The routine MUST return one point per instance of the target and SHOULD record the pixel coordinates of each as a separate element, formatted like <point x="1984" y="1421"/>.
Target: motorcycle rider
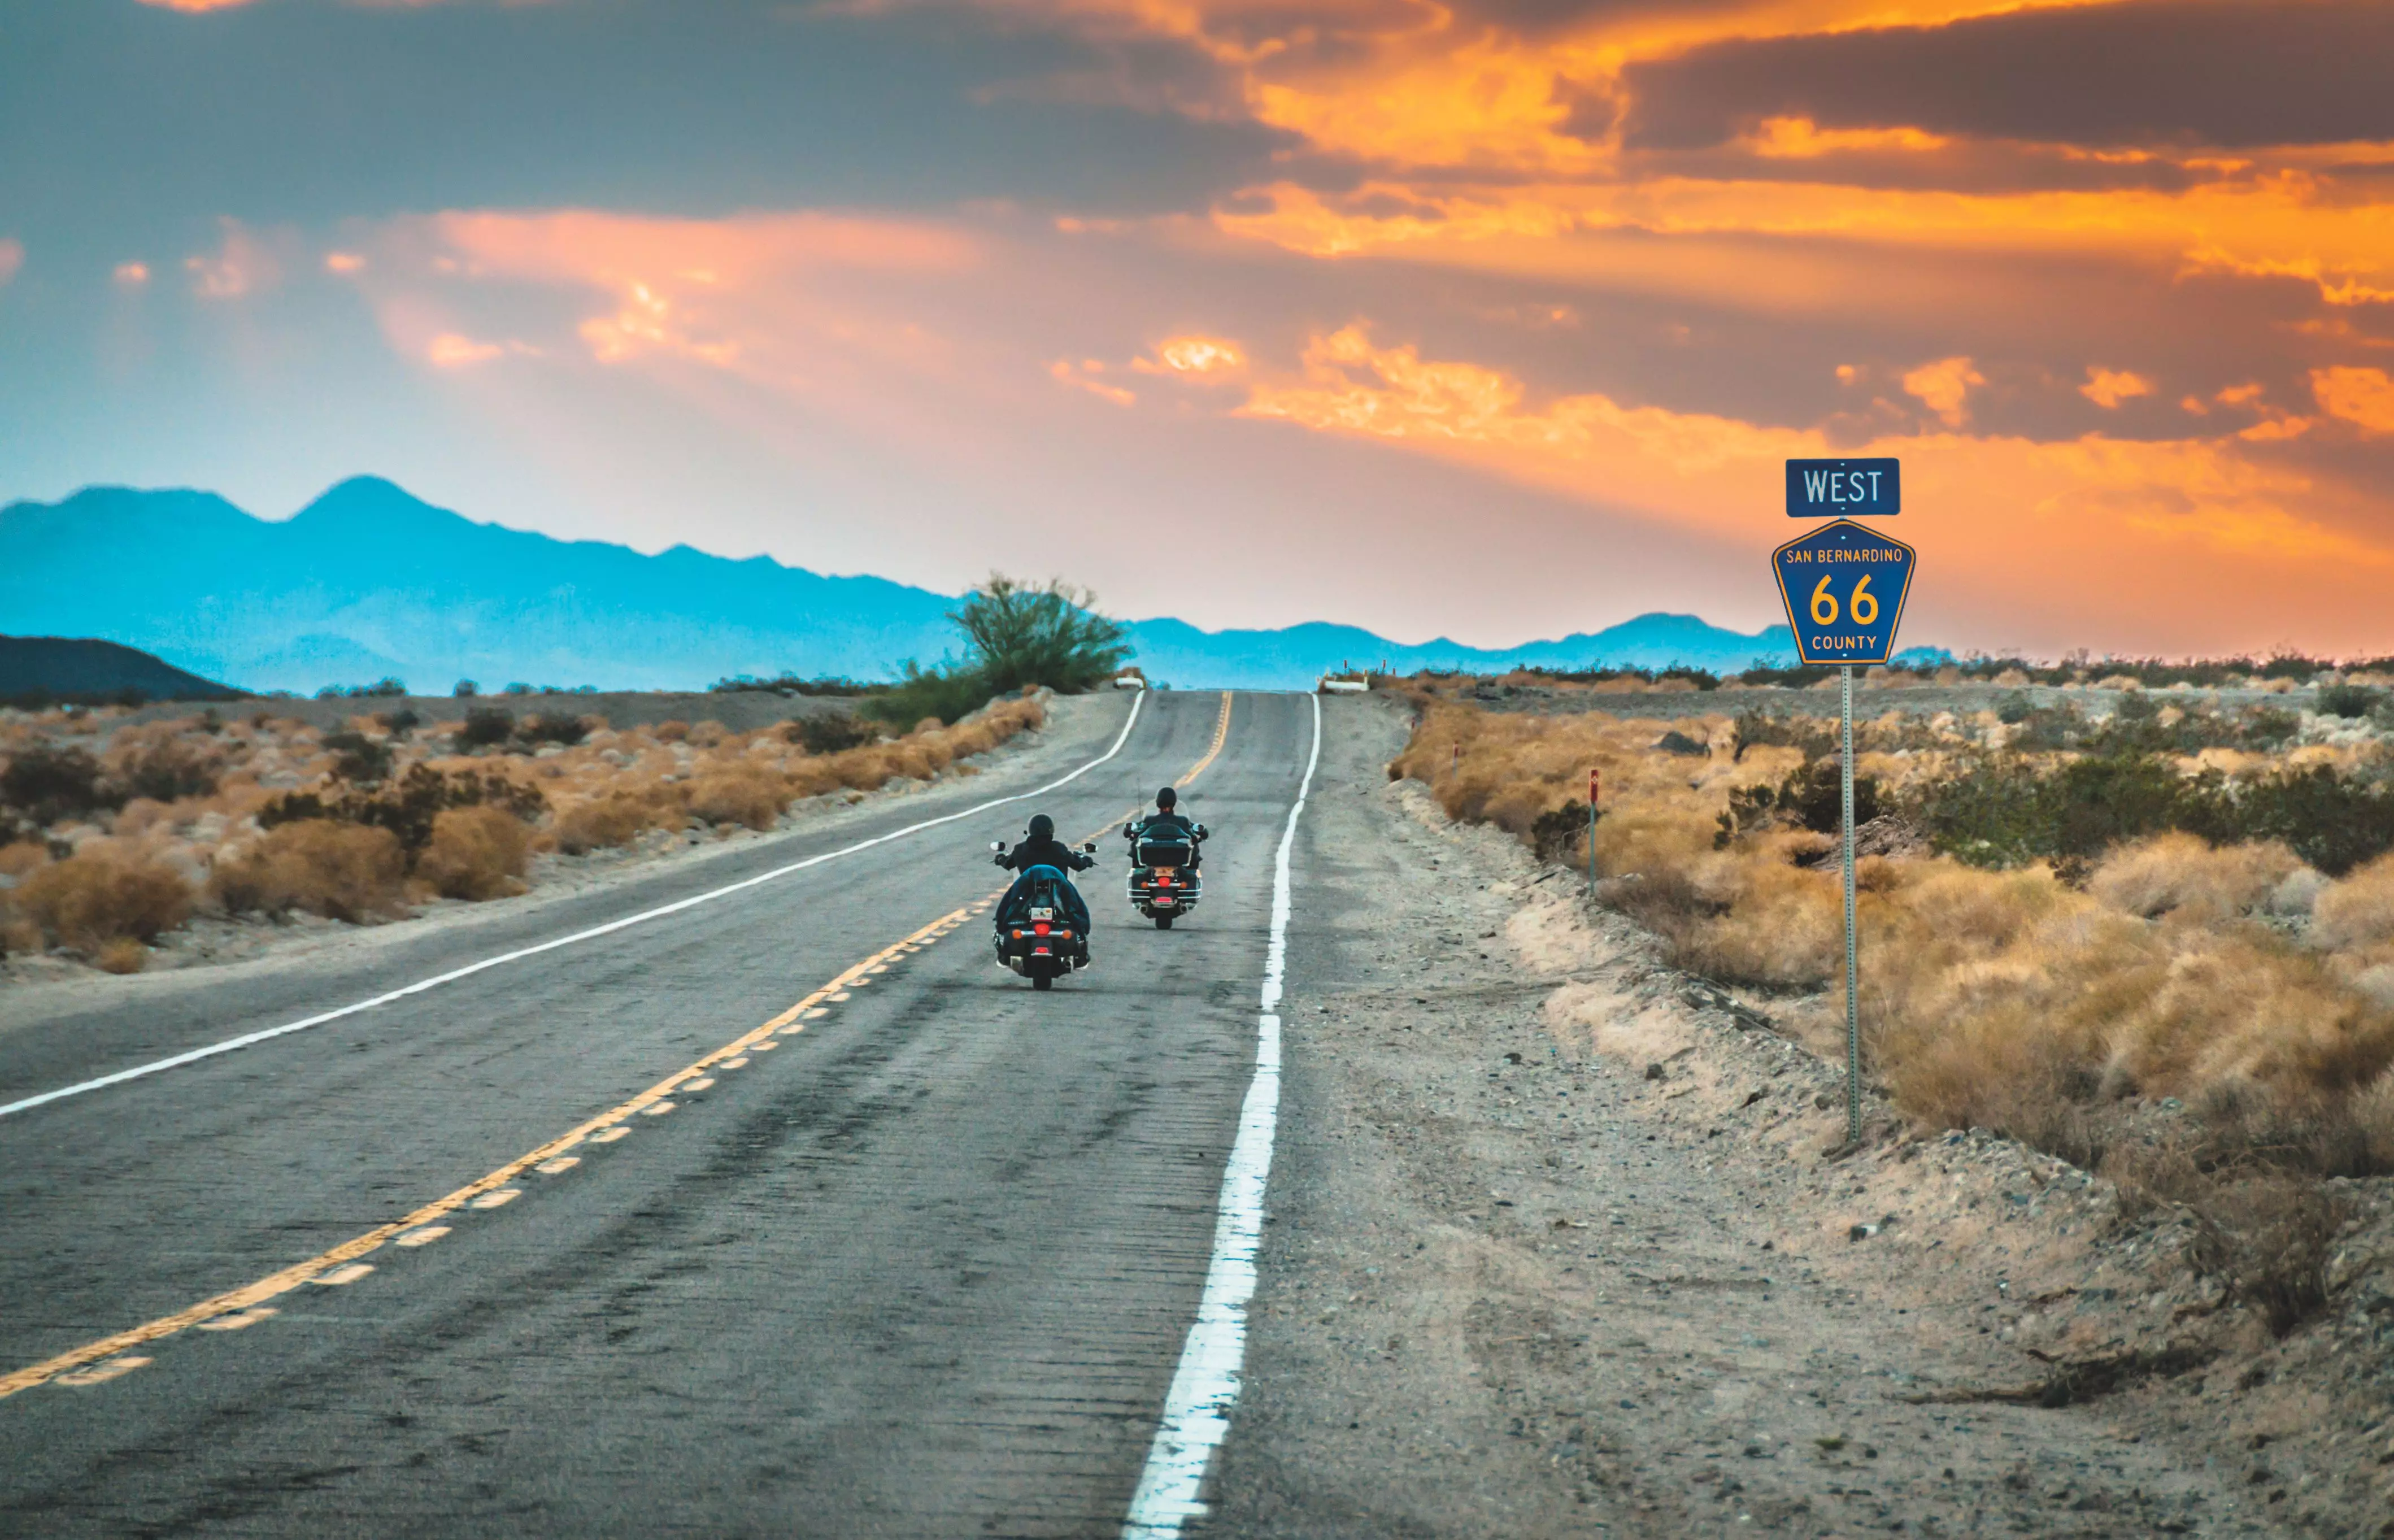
<point x="1166" y="823"/>
<point x="1041" y="847"/>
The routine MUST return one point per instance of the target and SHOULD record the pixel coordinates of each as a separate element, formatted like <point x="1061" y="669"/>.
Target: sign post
<point x="1845" y="586"/>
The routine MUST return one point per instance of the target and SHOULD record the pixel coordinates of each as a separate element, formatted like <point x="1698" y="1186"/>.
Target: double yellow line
<point x="657" y="1099"/>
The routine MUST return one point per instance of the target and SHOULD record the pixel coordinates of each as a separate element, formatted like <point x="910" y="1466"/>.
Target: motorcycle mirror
<point x="1089" y="849"/>
<point x="997" y="844"/>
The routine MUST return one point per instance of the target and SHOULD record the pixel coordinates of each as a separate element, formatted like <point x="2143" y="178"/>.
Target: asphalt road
<point x="922" y="1267"/>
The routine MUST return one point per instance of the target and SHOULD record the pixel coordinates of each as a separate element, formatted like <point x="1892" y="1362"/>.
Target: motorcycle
<point x="1163" y="880"/>
<point x="1036" y="934"/>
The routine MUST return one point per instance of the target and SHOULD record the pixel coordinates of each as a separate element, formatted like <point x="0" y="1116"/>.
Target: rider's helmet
<point x="1166" y="798"/>
<point x="1042" y="827"/>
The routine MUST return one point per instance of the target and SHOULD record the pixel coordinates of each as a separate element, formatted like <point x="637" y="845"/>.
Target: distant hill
<point x="368" y="581"/>
<point x="77" y="667"/>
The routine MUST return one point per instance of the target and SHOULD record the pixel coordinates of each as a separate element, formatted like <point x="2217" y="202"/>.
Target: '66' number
<point x="1862" y="602"/>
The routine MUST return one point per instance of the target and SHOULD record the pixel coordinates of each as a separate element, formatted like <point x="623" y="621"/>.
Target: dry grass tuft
<point x="123" y="955"/>
<point x="476" y="853"/>
<point x="103" y="895"/>
<point x="741" y="794"/>
<point x="23" y="856"/>
<point x="2357" y="914"/>
<point x="615" y="820"/>
<point x="2187" y="876"/>
<point x="342" y="871"/>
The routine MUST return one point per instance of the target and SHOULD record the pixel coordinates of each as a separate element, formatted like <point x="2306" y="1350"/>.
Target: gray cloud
<point x="2226" y="72"/>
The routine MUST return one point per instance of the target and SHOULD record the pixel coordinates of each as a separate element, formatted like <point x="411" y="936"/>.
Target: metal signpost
<point x="1845" y="587"/>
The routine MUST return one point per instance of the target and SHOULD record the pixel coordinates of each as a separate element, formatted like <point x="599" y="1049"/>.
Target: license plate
<point x="1043" y="914"/>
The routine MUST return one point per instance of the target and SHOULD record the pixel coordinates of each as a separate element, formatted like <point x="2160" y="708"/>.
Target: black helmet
<point x="1166" y="797"/>
<point x="1042" y="827"/>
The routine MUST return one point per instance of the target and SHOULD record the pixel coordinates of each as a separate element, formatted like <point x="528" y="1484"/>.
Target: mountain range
<point x="368" y="581"/>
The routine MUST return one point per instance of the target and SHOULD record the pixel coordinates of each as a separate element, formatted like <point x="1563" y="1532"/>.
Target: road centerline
<point x="245" y="1040"/>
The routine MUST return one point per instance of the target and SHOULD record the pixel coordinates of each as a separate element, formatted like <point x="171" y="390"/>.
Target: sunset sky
<point x="1492" y="319"/>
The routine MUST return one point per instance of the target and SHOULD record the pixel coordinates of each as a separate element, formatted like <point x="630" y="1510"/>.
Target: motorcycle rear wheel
<point x="1163" y="922"/>
<point x="1040" y="981"/>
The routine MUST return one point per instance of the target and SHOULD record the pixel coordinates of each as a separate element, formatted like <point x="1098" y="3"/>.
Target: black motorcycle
<point x="1164" y="881"/>
<point x="1042" y="924"/>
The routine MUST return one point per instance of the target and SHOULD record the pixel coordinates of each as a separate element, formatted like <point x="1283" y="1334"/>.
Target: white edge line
<point x="1206" y="1385"/>
<point x="249" y="1039"/>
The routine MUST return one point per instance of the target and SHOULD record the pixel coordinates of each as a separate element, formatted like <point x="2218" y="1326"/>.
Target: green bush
<point x="2000" y="811"/>
<point x="409" y="808"/>
<point x="1052" y="636"/>
<point x="949" y="692"/>
<point x="358" y="758"/>
<point x="832" y="732"/>
<point x="2349" y="701"/>
<point x="486" y="727"/>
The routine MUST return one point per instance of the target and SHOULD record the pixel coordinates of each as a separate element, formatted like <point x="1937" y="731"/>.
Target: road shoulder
<point x="1514" y="1282"/>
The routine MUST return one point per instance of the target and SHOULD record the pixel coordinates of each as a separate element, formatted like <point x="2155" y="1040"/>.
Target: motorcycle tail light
<point x="1040" y="929"/>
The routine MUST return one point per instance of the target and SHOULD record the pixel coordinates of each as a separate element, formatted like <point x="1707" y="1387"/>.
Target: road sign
<point x="1845" y="587"/>
<point x="1844" y="489"/>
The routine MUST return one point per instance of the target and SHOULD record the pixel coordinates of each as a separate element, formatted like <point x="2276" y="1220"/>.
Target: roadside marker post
<point x="1595" y="781"/>
<point x="1852" y="582"/>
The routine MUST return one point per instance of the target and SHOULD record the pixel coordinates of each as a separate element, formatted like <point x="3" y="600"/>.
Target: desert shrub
<point x="743" y="795"/>
<point x="381" y="689"/>
<point x="949" y="693"/>
<point x="49" y="784"/>
<point x="162" y="767"/>
<point x="1022" y="636"/>
<point x="551" y="728"/>
<point x="341" y="870"/>
<point x="2355" y="913"/>
<point x="122" y="955"/>
<point x="1759" y="730"/>
<point x="23" y="856"/>
<point x="830" y="732"/>
<point x="2349" y="701"/>
<point x="1555" y="834"/>
<point x="358" y="758"/>
<point x="399" y="723"/>
<point x="95" y="896"/>
<point x="409" y="808"/>
<point x="613" y="819"/>
<point x="486" y="727"/>
<point x="2333" y="822"/>
<point x="1811" y="797"/>
<point x="476" y="852"/>
<point x="671" y="733"/>
<point x="2268" y="1238"/>
<point x="2187" y="875"/>
<point x="786" y="684"/>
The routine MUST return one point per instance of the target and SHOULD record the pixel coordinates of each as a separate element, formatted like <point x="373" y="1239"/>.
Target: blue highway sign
<point x="1845" y="587"/>
<point x="1844" y="489"/>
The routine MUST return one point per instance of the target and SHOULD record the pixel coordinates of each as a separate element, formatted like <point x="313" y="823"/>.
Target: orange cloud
<point x="195" y="7"/>
<point x="344" y="262"/>
<point x="131" y="276"/>
<point x="1067" y="372"/>
<point x="243" y="265"/>
<point x="1991" y="513"/>
<point x="1944" y="388"/>
<point x="2108" y="388"/>
<point x="13" y="256"/>
<point x="455" y="350"/>
<point x="1198" y="358"/>
<point x="2363" y="396"/>
<point x="1800" y="139"/>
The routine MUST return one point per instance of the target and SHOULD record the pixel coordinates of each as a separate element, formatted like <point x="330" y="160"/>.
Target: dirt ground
<point x="1563" y="1244"/>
